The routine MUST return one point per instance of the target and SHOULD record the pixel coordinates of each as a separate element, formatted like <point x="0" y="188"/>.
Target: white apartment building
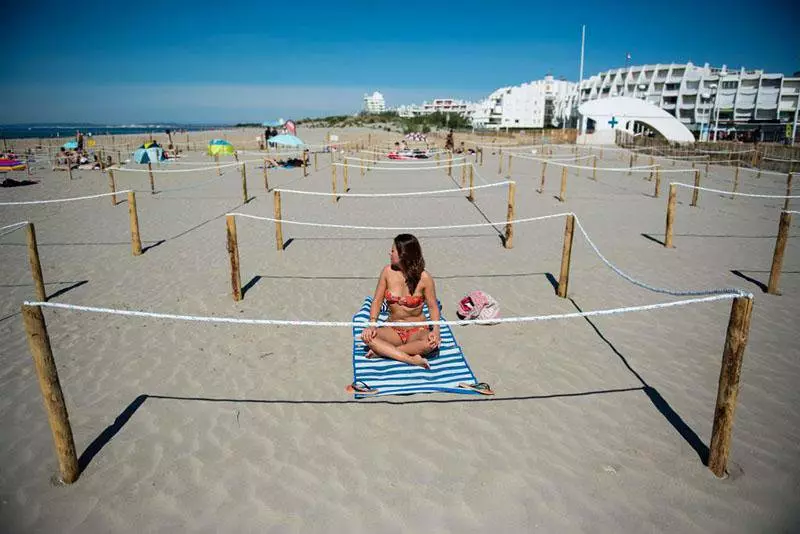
<point x="530" y="105"/>
<point x="700" y="97"/>
<point x="438" y="105"/>
<point x="374" y="103"/>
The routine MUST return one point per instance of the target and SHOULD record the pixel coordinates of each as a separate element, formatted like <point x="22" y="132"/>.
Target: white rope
<point x="618" y="169"/>
<point x="787" y="211"/>
<point x="662" y="170"/>
<point x="350" y="324"/>
<point x="783" y="160"/>
<point x="13" y="227"/>
<point x="162" y="171"/>
<point x="62" y="199"/>
<point x="408" y="162"/>
<point x="634" y="281"/>
<point x="433" y="167"/>
<point x="727" y="151"/>
<point x="397" y="228"/>
<point x="763" y="171"/>
<point x="731" y="192"/>
<point x="405" y="194"/>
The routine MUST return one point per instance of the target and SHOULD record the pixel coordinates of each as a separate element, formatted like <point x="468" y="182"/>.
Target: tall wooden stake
<point x="216" y="159"/>
<point x="509" y="164"/>
<point x="152" y="180"/>
<point x="50" y="386"/>
<point x="566" y="255"/>
<point x="673" y="198"/>
<point x="696" y="190"/>
<point x="136" y="242"/>
<point x="562" y="196"/>
<point x="266" y="178"/>
<point x="541" y="184"/>
<point x="244" y="184"/>
<point x="316" y="167"/>
<point x="233" y="255"/>
<point x="333" y="183"/>
<point x="500" y="162"/>
<point x="36" y="265"/>
<point x="657" y="191"/>
<point x="788" y="191"/>
<point x="471" y="196"/>
<point x="630" y="165"/>
<point x="277" y="213"/>
<point x="777" y="256"/>
<point x="113" y="186"/>
<point x="464" y="174"/>
<point x="735" y="181"/>
<point x="509" y="238"/>
<point x="450" y="165"/>
<point x="730" y="372"/>
<point x="594" y="168"/>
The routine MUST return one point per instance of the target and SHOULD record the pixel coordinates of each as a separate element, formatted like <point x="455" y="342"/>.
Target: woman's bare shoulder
<point x="425" y="277"/>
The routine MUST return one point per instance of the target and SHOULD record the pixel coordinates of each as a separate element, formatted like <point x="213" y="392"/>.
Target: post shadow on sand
<point x="655" y="397"/>
<point x="58" y="293"/>
<point x="740" y="274"/>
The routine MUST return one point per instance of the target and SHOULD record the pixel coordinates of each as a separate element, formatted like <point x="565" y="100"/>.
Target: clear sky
<point x="120" y="62"/>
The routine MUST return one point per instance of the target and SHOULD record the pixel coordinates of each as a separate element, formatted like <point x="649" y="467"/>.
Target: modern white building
<point x="699" y="97"/>
<point x="374" y="103"/>
<point x="530" y="105"/>
<point x="438" y="105"/>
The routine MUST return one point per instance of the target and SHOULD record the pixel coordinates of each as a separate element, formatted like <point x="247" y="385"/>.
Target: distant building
<point x="530" y="105"/>
<point x="374" y="103"/>
<point x="438" y="105"/>
<point x="699" y="97"/>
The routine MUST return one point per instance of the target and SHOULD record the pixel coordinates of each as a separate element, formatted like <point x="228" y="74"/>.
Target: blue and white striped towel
<point x="390" y="377"/>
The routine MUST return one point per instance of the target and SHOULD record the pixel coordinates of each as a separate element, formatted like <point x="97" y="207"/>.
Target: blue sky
<point x="115" y="62"/>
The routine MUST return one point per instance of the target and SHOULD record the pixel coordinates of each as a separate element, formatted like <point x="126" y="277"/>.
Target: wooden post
<point x="113" y="186"/>
<point x="541" y="184"/>
<point x="788" y="191"/>
<point x="316" y="167"/>
<point x="216" y="159"/>
<point x="509" y="164"/>
<point x="437" y="159"/>
<point x="706" y="169"/>
<point x="777" y="256"/>
<point x="69" y="169"/>
<point x="333" y="182"/>
<point x="266" y="178"/>
<point x="136" y="242"/>
<point x="233" y="255"/>
<point x="695" y="191"/>
<point x="735" y="181"/>
<point x="50" y="386"/>
<point x="500" y="162"/>
<point x="509" y="238"/>
<point x="464" y="173"/>
<point x="630" y="165"/>
<point x="566" y="255"/>
<point x="344" y="168"/>
<point x="277" y="213"/>
<point x="152" y="180"/>
<point x="562" y="196"/>
<point x="481" y="149"/>
<point x="652" y="163"/>
<point x="471" y="196"/>
<point x="362" y="167"/>
<point x="36" y="265"/>
<point x="305" y="164"/>
<point x="730" y="372"/>
<point x="673" y="198"/>
<point x="657" y="191"/>
<point x="450" y="165"/>
<point x="594" y="168"/>
<point x="119" y="157"/>
<point x="244" y="184"/>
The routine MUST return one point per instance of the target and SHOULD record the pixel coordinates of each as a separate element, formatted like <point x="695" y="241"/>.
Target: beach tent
<point x="219" y="146"/>
<point x="287" y="140"/>
<point x="149" y="152"/>
<point x="70" y="145"/>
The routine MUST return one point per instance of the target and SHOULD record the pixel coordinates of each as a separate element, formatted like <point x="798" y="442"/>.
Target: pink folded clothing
<point x="478" y="305"/>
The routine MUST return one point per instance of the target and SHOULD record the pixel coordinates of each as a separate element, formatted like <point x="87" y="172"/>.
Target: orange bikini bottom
<point x="406" y="332"/>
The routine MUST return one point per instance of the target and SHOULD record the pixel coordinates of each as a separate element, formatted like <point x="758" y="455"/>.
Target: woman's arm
<point x="430" y="299"/>
<point x="377" y="298"/>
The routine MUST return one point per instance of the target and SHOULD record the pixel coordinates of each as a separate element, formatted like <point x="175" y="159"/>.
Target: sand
<point x="597" y="425"/>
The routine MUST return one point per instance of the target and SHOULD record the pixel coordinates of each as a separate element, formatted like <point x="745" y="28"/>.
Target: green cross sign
<point x="613" y="122"/>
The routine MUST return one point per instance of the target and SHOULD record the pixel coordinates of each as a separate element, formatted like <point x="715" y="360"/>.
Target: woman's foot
<point x="371" y="354"/>
<point x="416" y="359"/>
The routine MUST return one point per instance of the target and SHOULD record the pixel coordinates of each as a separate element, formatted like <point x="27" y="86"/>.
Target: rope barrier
<point x="408" y="162"/>
<point x="162" y="171"/>
<point x="13" y="227"/>
<point x="350" y="324"/>
<point x="731" y="192"/>
<point x="763" y="171"/>
<point x="62" y="199"/>
<point x="644" y="285"/>
<point x="403" y="194"/>
<point x="397" y="228"/>
<point x="787" y="211"/>
<point x="783" y="160"/>
<point x="433" y="167"/>
<point x="618" y="169"/>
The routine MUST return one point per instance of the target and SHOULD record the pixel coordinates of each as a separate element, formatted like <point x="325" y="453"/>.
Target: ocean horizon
<point x="67" y="129"/>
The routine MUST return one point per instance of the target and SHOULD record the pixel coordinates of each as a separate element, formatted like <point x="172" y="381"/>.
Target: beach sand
<point x="598" y="424"/>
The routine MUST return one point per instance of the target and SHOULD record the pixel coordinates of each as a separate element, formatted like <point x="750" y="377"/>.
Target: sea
<point x="67" y="130"/>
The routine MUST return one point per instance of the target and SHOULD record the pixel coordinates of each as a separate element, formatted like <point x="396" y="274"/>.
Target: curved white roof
<point x="619" y="113"/>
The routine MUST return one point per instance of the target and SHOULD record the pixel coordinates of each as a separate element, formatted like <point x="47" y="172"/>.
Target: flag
<point x="291" y="127"/>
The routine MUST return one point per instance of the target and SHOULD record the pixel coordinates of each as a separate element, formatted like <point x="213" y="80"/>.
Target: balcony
<point x="668" y="105"/>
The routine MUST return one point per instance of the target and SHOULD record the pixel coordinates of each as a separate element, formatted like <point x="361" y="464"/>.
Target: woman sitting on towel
<point x="405" y="285"/>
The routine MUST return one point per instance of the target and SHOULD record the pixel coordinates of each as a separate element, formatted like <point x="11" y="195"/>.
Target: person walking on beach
<point x="449" y="144"/>
<point x="405" y="285"/>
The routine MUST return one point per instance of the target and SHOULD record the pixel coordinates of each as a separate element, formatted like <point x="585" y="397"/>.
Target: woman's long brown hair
<point x="411" y="261"/>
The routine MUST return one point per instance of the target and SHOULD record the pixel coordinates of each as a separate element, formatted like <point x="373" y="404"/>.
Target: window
<point x="729" y="85"/>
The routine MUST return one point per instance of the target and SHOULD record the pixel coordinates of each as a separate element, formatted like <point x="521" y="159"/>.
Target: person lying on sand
<point x="405" y="285"/>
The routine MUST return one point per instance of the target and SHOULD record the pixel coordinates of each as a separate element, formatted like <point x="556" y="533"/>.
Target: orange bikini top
<point x="409" y="301"/>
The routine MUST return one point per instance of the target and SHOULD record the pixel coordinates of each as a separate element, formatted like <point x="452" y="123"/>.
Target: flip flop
<point x="360" y="387"/>
<point x="482" y="387"/>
